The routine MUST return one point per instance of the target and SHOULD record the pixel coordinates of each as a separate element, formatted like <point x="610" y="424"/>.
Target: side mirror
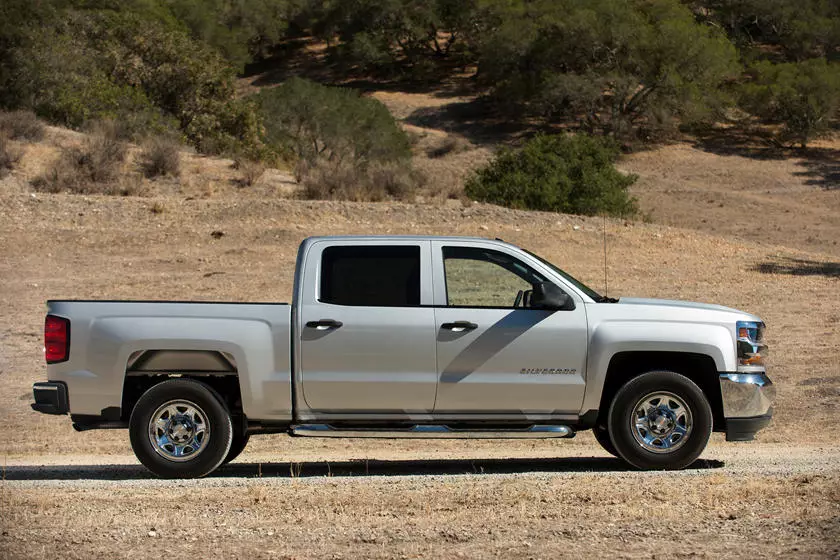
<point x="548" y="296"/>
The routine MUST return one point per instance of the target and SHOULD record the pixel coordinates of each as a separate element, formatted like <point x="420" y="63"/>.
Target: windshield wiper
<point x="605" y="299"/>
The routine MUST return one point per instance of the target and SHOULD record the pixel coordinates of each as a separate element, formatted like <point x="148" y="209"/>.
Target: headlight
<point x="751" y="347"/>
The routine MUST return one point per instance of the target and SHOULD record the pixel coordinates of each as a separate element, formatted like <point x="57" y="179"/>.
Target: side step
<point x="432" y="431"/>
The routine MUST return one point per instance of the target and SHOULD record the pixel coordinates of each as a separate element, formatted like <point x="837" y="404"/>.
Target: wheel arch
<point x="214" y="368"/>
<point x="699" y="368"/>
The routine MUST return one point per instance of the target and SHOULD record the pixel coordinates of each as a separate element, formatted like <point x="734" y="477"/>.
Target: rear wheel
<point x="180" y="429"/>
<point x="602" y="436"/>
<point x="660" y="420"/>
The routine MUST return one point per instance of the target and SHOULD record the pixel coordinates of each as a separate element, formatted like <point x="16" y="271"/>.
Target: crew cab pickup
<point x="409" y="337"/>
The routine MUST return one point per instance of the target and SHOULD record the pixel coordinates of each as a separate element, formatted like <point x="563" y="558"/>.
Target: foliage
<point x="561" y="173"/>
<point x="127" y="61"/>
<point x="608" y="63"/>
<point x="395" y="35"/>
<point x="317" y="122"/>
<point x="241" y="31"/>
<point x="801" y="29"/>
<point x="803" y="96"/>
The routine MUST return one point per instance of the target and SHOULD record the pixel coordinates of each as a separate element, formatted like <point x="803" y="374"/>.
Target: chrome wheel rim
<point x="179" y="431"/>
<point x="661" y="422"/>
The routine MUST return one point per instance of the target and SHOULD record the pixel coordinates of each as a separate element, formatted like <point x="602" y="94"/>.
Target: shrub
<point x="802" y="96"/>
<point x="346" y="182"/>
<point x="161" y="156"/>
<point x="119" y="61"/>
<point x="95" y="167"/>
<point x="317" y="122"/>
<point x="570" y="174"/>
<point x="251" y="171"/>
<point x="605" y="63"/>
<point x="9" y="155"/>
<point x="21" y="125"/>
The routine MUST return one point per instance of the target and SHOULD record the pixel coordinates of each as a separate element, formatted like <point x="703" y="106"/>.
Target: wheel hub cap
<point x="661" y="422"/>
<point x="179" y="431"/>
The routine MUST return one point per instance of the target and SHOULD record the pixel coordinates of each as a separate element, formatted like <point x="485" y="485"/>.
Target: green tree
<point x="242" y="30"/>
<point x="608" y="63"/>
<point x="563" y="173"/>
<point x="338" y="125"/>
<point x="802" y="96"/>
<point x="393" y="36"/>
<point x="801" y="29"/>
<point x="135" y="64"/>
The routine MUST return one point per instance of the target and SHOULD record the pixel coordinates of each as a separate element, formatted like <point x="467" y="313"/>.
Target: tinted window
<point x="371" y="276"/>
<point x="485" y="278"/>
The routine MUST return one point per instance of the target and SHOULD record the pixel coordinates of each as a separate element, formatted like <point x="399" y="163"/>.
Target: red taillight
<point x="56" y="339"/>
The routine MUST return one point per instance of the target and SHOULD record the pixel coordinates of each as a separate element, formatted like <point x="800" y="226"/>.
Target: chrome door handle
<point x="324" y="324"/>
<point x="459" y="326"/>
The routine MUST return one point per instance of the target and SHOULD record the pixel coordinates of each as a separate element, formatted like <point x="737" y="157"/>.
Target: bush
<point x="317" y="122"/>
<point x="251" y="170"/>
<point x="802" y="96"/>
<point x="95" y="167"/>
<point x="9" y="155"/>
<point x="606" y="63"/>
<point x="570" y="174"/>
<point x="161" y="156"/>
<point x="118" y="61"/>
<point x="373" y="184"/>
<point x="21" y="125"/>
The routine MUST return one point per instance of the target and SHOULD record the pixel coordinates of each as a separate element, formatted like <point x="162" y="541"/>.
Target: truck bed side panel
<point x="104" y="335"/>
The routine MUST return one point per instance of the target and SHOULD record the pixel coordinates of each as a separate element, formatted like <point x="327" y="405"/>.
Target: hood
<point x="684" y="304"/>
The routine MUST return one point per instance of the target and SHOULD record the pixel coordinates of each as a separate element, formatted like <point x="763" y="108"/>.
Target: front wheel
<point x="237" y="446"/>
<point x="180" y="429"/>
<point x="660" y="420"/>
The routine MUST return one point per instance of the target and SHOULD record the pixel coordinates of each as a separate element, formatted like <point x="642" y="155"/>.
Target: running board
<point x="432" y="431"/>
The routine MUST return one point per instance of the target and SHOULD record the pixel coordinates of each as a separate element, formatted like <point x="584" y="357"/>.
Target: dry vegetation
<point x="733" y="229"/>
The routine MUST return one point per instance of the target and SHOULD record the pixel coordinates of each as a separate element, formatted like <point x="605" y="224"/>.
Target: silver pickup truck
<point x="409" y="337"/>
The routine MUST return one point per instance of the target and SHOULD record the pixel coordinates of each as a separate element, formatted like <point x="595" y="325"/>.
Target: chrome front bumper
<point x="747" y="403"/>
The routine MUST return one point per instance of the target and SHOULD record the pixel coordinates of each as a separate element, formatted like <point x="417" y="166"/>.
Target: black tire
<point x="673" y="451"/>
<point x="214" y="417"/>
<point x="237" y="446"/>
<point x="602" y="436"/>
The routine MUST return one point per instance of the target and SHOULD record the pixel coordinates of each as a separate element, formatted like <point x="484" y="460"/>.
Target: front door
<point x="366" y="342"/>
<point x="494" y="352"/>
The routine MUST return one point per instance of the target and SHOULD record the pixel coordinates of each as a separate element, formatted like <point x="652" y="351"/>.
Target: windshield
<point x="571" y="279"/>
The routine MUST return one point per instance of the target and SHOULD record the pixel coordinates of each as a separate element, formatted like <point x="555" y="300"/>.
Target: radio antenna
<point x="606" y="292"/>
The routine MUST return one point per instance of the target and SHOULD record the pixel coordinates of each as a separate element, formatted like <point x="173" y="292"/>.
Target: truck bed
<point x="111" y="341"/>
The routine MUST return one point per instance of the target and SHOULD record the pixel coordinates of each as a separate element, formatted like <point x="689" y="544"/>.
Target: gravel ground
<point x="747" y="500"/>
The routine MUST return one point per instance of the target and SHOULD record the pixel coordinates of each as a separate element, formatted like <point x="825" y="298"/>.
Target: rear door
<point x="495" y="354"/>
<point x="367" y="341"/>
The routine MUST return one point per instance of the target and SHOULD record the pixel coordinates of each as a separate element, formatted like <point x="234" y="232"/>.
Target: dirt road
<point x="758" y="500"/>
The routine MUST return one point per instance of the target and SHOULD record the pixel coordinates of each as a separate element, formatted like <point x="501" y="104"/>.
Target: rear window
<point x="372" y="276"/>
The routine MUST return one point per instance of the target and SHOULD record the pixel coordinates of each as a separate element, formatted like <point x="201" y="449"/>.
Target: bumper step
<point x="50" y="398"/>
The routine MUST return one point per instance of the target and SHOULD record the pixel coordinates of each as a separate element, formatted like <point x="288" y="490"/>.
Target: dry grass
<point x="94" y="167"/>
<point x="22" y="125"/>
<point x="374" y="183"/>
<point x="10" y="155"/>
<point x="161" y="157"/>
<point x="250" y="171"/>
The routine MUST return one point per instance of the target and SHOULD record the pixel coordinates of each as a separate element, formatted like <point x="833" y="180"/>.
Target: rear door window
<point x="371" y="276"/>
